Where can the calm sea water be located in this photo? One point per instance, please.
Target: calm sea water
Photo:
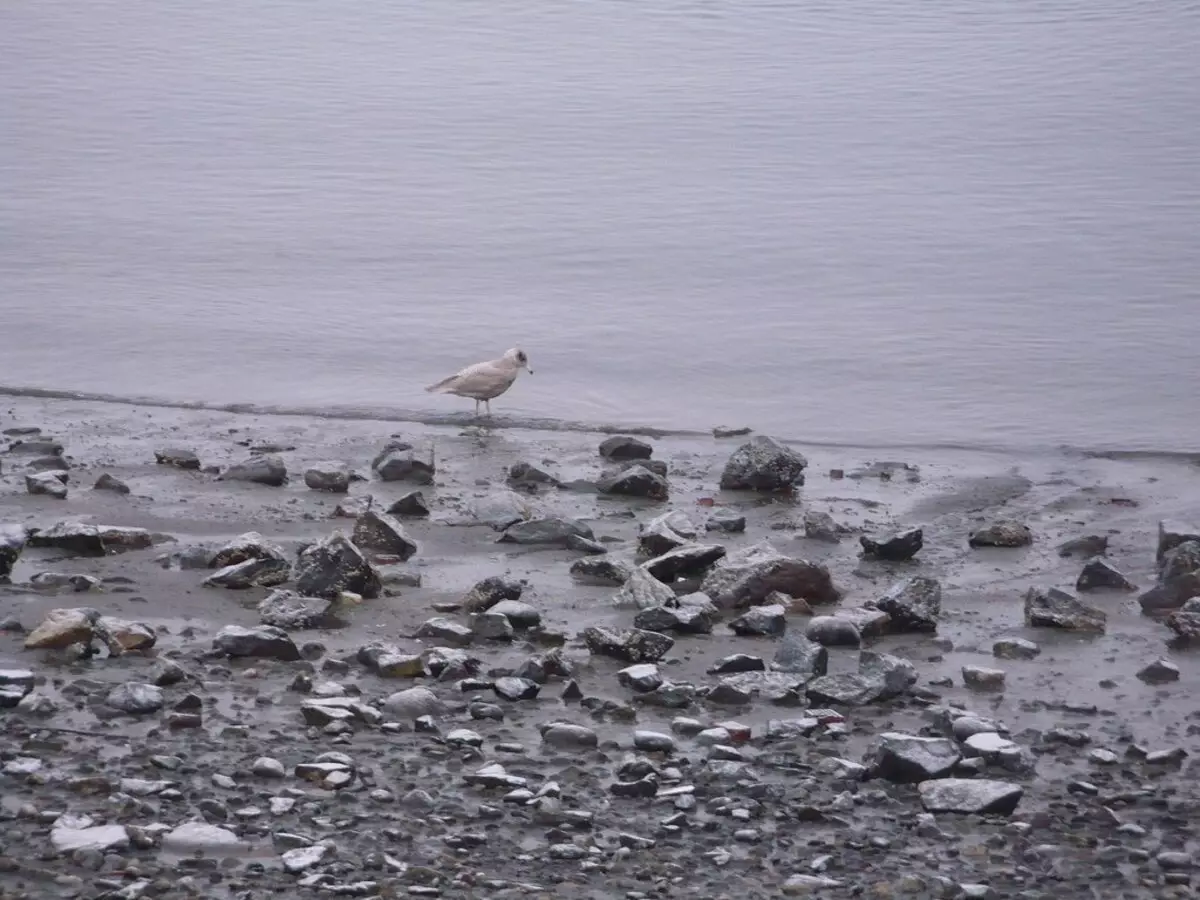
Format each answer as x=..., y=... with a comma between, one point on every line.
x=859, y=221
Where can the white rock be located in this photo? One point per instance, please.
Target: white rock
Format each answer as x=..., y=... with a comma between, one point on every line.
x=296, y=861
x=71, y=833
x=200, y=836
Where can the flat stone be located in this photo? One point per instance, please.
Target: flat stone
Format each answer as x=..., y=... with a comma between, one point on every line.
x=1002, y=533
x=50, y=484
x=63, y=627
x=260, y=641
x=914, y=604
x=1052, y=608
x=643, y=591
x=970, y=795
x=265, y=469
x=515, y=689
x=601, y=570
x=760, y=621
x=633, y=645
x=569, y=735
x=1015, y=648
x=907, y=759
x=178, y=457
x=981, y=678
x=684, y=561
x=643, y=678
x=332, y=476
x=1100, y=574
x=897, y=546
x=547, y=530
x=252, y=573
x=70, y=834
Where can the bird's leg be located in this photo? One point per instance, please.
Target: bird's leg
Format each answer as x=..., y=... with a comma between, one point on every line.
x=477, y=408
x=488, y=404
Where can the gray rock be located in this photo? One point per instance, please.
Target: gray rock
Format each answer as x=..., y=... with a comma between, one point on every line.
x=34, y=705
x=248, y=546
x=47, y=464
x=107, y=482
x=333, y=565
x=492, y=626
x=250, y=574
x=643, y=678
x=548, y=530
x=980, y=678
x=61, y=628
x=166, y=673
x=748, y=577
x=833, y=631
x=490, y=591
x=1015, y=648
x=908, y=759
x=976, y=796
x=601, y=570
x=413, y=703
x=12, y=543
x=264, y=469
x=568, y=735
x=1002, y=533
x=447, y=631
x=621, y=447
x=396, y=462
x=383, y=533
x=686, y=561
x=262, y=641
x=896, y=675
x=1161, y=671
x=635, y=481
x=633, y=645
x=763, y=464
x=1178, y=579
x=665, y=533
x=520, y=614
x=289, y=610
x=135, y=699
x=643, y=591
x=737, y=663
x=897, y=546
x=653, y=742
x=332, y=476
x=800, y=885
x=178, y=457
x=681, y=619
x=725, y=520
x=1086, y=546
x=527, y=476
x=1098, y=573
x=914, y=604
x=50, y=484
x=500, y=509
x=819, y=526
x=72, y=834
x=760, y=621
x=1172, y=534
x=1052, y=608
x=880, y=676
x=513, y=689
x=73, y=537
x=412, y=506
x=797, y=654
x=1185, y=622
x=15, y=684
x=389, y=661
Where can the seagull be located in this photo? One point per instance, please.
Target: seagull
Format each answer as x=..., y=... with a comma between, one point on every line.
x=484, y=380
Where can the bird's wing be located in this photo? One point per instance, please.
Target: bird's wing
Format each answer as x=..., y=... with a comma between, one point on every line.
x=483, y=372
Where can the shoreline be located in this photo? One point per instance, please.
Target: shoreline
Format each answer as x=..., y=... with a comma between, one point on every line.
x=247, y=708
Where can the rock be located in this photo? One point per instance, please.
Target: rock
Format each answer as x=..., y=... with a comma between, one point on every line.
x=500, y=509
x=413, y=703
x=333, y=565
x=47, y=464
x=763, y=464
x=601, y=570
x=57, y=580
x=382, y=532
x=914, y=604
x=833, y=631
x=301, y=859
x=190, y=837
x=397, y=463
x=412, y=505
x=12, y=543
x=248, y=546
x=179, y=457
x=1052, y=608
x=353, y=507
x=977, y=796
x=122, y=636
x=1098, y=573
x=1172, y=534
x=748, y=577
x=490, y=591
x=15, y=684
x=389, y=661
x=166, y=673
x=250, y=574
x=797, y=654
x=737, y=663
x=633, y=645
x=1015, y=648
x=642, y=678
x=548, y=530
x=907, y=759
x=807, y=885
x=643, y=591
x=635, y=481
x=265, y=469
x=51, y=484
x=665, y=533
x=686, y=561
x=1160, y=671
x=135, y=699
x=568, y=735
x=980, y=678
x=332, y=476
x=1185, y=622
x=726, y=520
x=290, y=610
x=63, y=627
x=447, y=631
x=529, y=477
x=1002, y=533
x=1178, y=579
x=515, y=689
x=73, y=537
x=682, y=619
x=622, y=447
x=653, y=742
x=520, y=614
x=73, y=834
x=880, y=676
x=898, y=546
x=819, y=526
x=492, y=626
x=260, y=641
x=1087, y=546
x=760, y=621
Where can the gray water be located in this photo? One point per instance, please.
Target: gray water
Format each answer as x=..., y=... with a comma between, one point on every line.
x=858, y=221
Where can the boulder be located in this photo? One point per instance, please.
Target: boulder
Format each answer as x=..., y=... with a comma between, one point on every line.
x=643, y=591
x=332, y=476
x=880, y=676
x=57, y=580
x=411, y=506
x=633, y=645
x=665, y=533
x=390, y=661
x=1087, y=545
x=122, y=636
x=250, y=545
x=622, y=447
x=73, y=537
x=258, y=469
x=520, y=614
x=688, y=560
x=492, y=626
x=490, y=591
x=1001, y=533
x=12, y=543
x=568, y=735
x=177, y=457
x=798, y=655
x=515, y=689
x=547, y=530
x=1099, y=573
x=747, y=578
x=1178, y=579
x=384, y=533
x=726, y=520
x=290, y=610
x=635, y=481
x=397, y=463
x=262, y=641
x=908, y=759
x=251, y=573
x=681, y=619
x=763, y=464
x=447, y=631
x=1185, y=622
x=603, y=570
x=978, y=796
x=642, y=678
x=833, y=631
x=413, y=703
x=913, y=605
x=135, y=699
x=1052, y=608
x=896, y=546
x=1172, y=534
x=760, y=621
x=50, y=484
x=63, y=627
x=333, y=565
x=111, y=483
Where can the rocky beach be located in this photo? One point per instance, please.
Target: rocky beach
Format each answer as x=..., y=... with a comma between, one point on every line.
x=246, y=656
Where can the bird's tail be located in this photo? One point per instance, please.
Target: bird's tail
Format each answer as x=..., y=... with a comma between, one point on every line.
x=441, y=385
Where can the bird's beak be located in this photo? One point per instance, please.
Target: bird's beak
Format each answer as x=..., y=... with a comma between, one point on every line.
x=529, y=370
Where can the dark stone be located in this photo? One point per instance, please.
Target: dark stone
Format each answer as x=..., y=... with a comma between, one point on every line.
x=726, y=520
x=898, y=546
x=601, y=570
x=738, y=662
x=633, y=645
x=250, y=545
x=636, y=481
x=1087, y=546
x=382, y=532
x=1002, y=533
x=681, y=619
x=1160, y=671
x=108, y=482
x=290, y=611
x=1015, y=648
x=526, y=475
x=585, y=545
x=548, y=530
x=50, y=484
x=251, y=573
x=521, y=615
x=1172, y=534
x=623, y=447
x=135, y=699
x=1185, y=622
x=261, y=641
x=74, y=537
x=266, y=469
x=665, y=533
x=913, y=605
x=332, y=477
x=333, y=565
x=763, y=464
x=412, y=505
x=797, y=654
x=833, y=631
x=1098, y=573
x=38, y=446
x=760, y=621
x=12, y=543
x=515, y=689
x=179, y=457
x=490, y=591
x=688, y=560
x=1178, y=579
x=1053, y=608
x=397, y=463
x=47, y=464
x=906, y=759
x=747, y=578
x=643, y=788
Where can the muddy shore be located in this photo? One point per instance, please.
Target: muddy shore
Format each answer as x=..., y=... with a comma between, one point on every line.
x=752, y=781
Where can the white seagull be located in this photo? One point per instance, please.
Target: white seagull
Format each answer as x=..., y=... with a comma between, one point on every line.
x=486, y=380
